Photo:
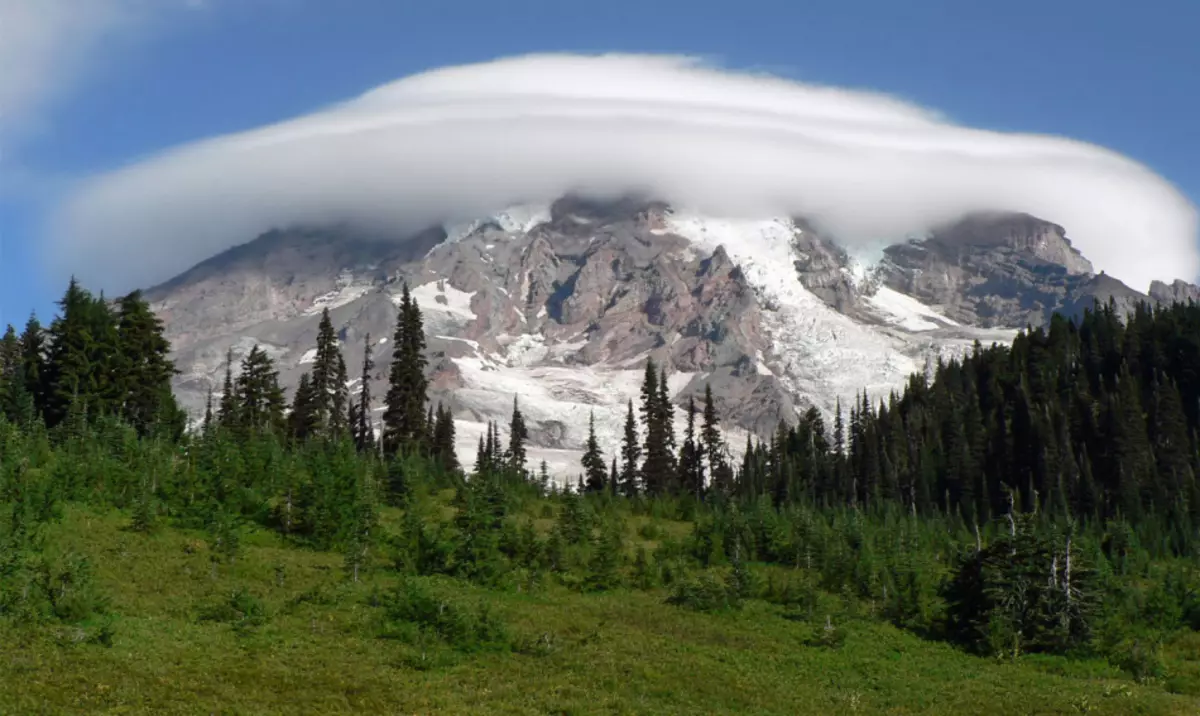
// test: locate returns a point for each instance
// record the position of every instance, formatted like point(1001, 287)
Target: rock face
point(1000, 270)
point(560, 306)
point(1175, 292)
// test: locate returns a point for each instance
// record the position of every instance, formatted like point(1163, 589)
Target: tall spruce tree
point(146, 400)
point(691, 463)
point(304, 420)
point(444, 439)
point(82, 365)
point(33, 365)
point(227, 413)
point(518, 434)
point(404, 413)
point(594, 468)
point(631, 453)
point(657, 467)
point(329, 392)
point(714, 445)
point(259, 398)
point(362, 428)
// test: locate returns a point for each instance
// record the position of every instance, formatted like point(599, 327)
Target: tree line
point(999, 502)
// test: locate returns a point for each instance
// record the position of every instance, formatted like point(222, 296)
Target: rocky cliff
point(560, 306)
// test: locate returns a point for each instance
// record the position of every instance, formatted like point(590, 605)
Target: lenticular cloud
point(460, 142)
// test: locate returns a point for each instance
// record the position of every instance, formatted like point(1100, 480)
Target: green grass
point(318, 650)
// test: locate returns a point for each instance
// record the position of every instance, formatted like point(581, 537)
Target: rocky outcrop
point(561, 306)
point(1176, 292)
point(995, 270)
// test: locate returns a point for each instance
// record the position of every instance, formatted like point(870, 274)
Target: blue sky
point(1114, 73)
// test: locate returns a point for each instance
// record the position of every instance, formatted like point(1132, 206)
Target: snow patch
point(310, 356)
point(522, 218)
point(346, 289)
point(907, 312)
point(441, 297)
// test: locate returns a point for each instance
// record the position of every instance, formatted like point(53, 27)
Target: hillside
point(315, 648)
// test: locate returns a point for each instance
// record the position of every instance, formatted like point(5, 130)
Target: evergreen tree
point(714, 445)
point(33, 364)
point(329, 392)
point(362, 429)
point(404, 412)
point(517, 435)
point(594, 466)
point(227, 413)
point(691, 464)
point(83, 360)
point(443, 439)
point(657, 467)
point(258, 397)
point(631, 452)
point(207, 425)
point(147, 400)
point(304, 421)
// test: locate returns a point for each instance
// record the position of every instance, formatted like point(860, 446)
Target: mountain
point(559, 306)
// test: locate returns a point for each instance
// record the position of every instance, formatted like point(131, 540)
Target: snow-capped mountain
point(560, 306)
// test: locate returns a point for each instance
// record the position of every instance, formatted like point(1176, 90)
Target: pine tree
point(594, 466)
point(227, 413)
point(259, 398)
point(147, 369)
point(404, 412)
point(444, 439)
point(207, 425)
point(11, 374)
point(714, 445)
point(33, 364)
point(657, 467)
point(362, 429)
point(328, 382)
point(691, 465)
point(517, 435)
point(83, 358)
point(304, 422)
point(631, 452)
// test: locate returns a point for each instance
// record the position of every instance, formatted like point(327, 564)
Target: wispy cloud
point(461, 141)
point(46, 45)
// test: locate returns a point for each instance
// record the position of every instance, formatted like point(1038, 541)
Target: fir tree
point(714, 445)
point(147, 369)
point(444, 439)
point(259, 398)
point(362, 429)
point(227, 414)
point(593, 463)
point(304, 421)
point(517, 435)
point(631, 452)
point(691, 464)
point(328, 382)
point(33, 364)
point(657, 467)
point(404, 412)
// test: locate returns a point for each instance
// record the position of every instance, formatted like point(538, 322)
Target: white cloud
point(462, 141)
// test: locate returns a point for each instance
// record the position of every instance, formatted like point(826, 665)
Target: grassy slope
point(624, 652)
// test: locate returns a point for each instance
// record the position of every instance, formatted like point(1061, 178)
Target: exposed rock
point(560, 306)
point(996, 270)
point(1178, 291)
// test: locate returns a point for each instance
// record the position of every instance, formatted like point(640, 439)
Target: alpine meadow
point(1017, 533)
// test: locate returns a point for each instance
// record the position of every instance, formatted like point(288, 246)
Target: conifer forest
point(1017, 532)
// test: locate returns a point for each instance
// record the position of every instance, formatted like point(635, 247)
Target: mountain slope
point(560, 306)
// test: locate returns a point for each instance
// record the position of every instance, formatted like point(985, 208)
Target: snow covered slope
point(560, 306)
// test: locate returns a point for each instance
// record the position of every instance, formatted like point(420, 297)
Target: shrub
point(703, 593)
point(414, 612)
point(241, 610)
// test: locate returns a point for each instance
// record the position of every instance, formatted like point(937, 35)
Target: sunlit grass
point(318, 649)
